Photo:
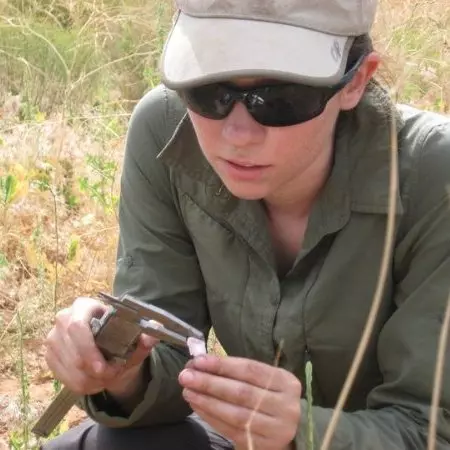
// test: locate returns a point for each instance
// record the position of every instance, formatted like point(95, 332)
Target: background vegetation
point(71, 72)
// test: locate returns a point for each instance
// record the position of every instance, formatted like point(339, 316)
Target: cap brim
point(207, 50)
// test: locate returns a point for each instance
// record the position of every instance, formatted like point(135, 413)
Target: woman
point(254, 199)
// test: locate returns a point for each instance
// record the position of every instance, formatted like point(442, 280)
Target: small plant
point(29, 112)
point(20, 439)
point(3, 265)
point(70, 198)
point(42, 178)
point(8, 188)
point(72, 251)
point(99, 187)
point(3, 261)
point(56, 386)
point(17, 441)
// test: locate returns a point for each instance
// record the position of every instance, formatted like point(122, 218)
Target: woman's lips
point(244, 171)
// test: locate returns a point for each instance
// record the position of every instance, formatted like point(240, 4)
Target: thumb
point(144, 346)
point(147, 342)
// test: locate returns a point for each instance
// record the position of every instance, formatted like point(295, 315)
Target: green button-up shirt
point(189, 246)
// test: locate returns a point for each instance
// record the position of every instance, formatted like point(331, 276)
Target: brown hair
point(362, 45)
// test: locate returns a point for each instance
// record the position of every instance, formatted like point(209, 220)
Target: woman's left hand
point(227, 392)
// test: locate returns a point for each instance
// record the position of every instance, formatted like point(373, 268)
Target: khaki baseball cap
point(304, 41)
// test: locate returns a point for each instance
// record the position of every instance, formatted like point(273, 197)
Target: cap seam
point(262, 19)
point(361, 11)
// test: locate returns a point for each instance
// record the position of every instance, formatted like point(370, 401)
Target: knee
point(181, 436)
point(77, 438)
point(187, 435)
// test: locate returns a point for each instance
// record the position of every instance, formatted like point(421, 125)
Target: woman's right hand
point(75, 360)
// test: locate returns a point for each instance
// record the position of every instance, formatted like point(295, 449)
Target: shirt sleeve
point(398, 411)
point(156, 262)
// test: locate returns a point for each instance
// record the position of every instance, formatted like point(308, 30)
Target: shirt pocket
point(224, 264)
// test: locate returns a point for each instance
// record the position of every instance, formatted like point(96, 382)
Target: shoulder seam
point(167, 108)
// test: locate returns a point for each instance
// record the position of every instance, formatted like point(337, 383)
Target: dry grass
point(414, 38)
point(70, 74)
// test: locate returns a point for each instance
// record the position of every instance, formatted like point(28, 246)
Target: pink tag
point(196, 346)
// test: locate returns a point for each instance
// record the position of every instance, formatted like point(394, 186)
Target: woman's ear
point(352, 93)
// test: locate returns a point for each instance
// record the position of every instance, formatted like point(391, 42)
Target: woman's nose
point(240, 129)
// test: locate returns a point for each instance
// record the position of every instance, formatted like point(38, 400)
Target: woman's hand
point(76, 361)
point(227, 392)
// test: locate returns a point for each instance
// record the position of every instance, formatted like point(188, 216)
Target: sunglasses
point(276, 105)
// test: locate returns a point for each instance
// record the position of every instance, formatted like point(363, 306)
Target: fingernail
point(148, 342)
point(187, 394)
point(189, 364)
point(98, 367)
point(200, 361)
point(186, 376)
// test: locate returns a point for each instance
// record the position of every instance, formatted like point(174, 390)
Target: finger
point(78, 382)
point(233, 391)
point(90, 360)
point(239, 437)
point(250, 371)
point(81, 346)
point(79, 330)
point(148, 342)
point(189, 364)
point(143, 348)
point(233, 415)
point(64, 351)
point(85, 308)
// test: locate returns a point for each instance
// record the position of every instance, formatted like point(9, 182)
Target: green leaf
point(56, 386)
point(83, 183)
point(73, 249)
point(3, 261)
point(10, 188)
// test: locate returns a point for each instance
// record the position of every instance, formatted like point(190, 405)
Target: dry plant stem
point(110, 63)
point(9, 324)
point(438, 378)
point(116, 215)
point(23, 383)
point(91, 268)
point(55, 287)
point(368, 329)
point(248, 425)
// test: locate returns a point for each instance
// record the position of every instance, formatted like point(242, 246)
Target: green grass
point(70, 75)
point(79, 54)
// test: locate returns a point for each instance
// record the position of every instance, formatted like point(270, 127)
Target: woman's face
point(260, 162)
point(255, 161)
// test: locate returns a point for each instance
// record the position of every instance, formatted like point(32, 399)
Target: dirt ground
point(40, 395)
point(40, 391)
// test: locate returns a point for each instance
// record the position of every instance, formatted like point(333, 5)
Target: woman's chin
point(245, 191)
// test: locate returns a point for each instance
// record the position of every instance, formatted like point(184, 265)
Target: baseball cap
point(304, 41)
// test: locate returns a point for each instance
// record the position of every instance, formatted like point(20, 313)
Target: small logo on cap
point(336, 51)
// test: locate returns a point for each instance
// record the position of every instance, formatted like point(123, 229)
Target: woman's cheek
point(208, 134)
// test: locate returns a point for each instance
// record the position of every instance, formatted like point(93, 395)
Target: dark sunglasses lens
point(213, 101)
point(285, 105)
point(272, 106)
